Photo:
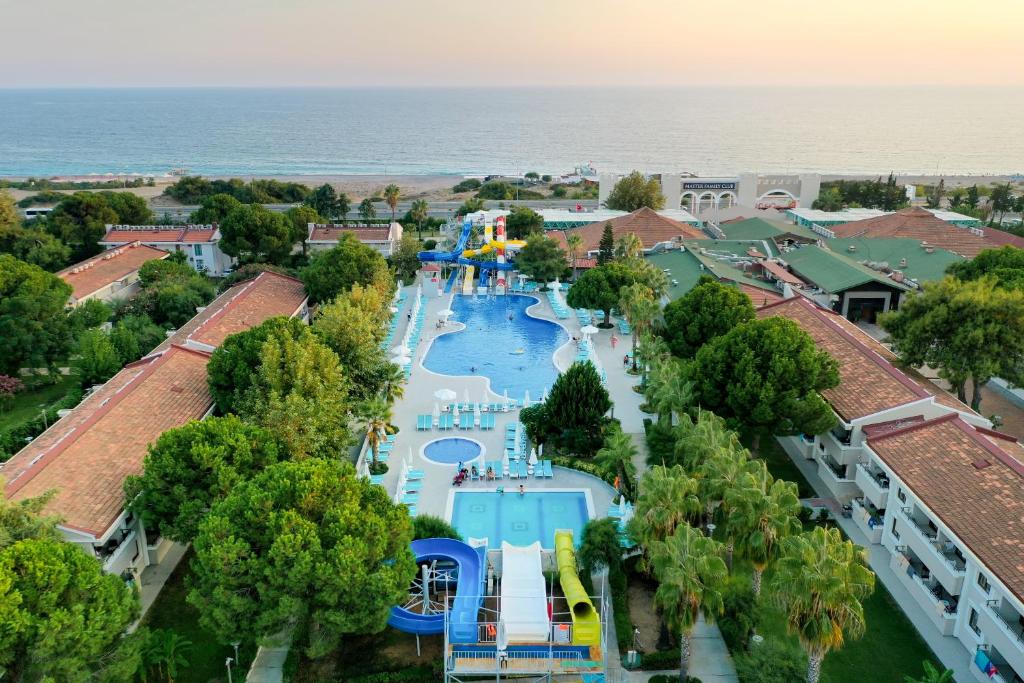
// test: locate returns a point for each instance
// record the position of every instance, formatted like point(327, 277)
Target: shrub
point(429, 245)
point(467, 185)
point(771, 661)
point(661, 443)
point(619, 586)
point(670, 678)
point(9, 386)
point(429, 526)
point(415, 674)
point(659, 660)
point(740, 614)
point(545, 178)
point(583, 466)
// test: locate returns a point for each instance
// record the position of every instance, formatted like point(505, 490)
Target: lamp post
point(227, 663)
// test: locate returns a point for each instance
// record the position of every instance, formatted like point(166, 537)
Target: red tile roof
point(759, 297)
point(983, 506)
point(868, 381)
point(920, 224)
point(647, 224)
point(244, 305)
point(780, 273)
point(107, 268)
point(87, 455)
point(363, 233)
point(119, 234)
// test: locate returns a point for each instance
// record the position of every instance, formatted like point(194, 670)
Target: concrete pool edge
point(480, 445)
point(449, 507)
point(537, 301)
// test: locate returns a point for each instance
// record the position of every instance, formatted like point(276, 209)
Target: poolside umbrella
point(589, 330)
point(483, 401)
point(401, 350)
point(526, 399)
point(622, 504)
point(445, 394)
point(446, 313)
point(519, 436)
point(540, 450)
point(506, 399)
point(476, 414)
point(504, 461)
point(533, 456)
point(465, 396)
point(544, 396)
point(408, 459)
point(455, 412)
point(393, 309)
point(437, 410)
point(400, 359)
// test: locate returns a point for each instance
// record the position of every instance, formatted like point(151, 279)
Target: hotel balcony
point(1007, 672)
point(941, 555)
point(868, 519)
point(875, 485)
point(935, 601)
point(836, 479)
point(837, 444)
point(1003, 627)
point(119, 555)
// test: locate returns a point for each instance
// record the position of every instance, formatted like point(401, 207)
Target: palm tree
point(629, 246)
point(819, 582)
point(169, 651)
point(640, 308)
point(367, 211)
point(651, 350)
point(393, 383)
point(419, 212)
point(691, 576)
point(759, 517)
point(574, 243)
point(391, 194)
point(718, 474)
point(931, 675)
point(377, 414)
point(617, 456)
point(667, 500)
point(669, 393)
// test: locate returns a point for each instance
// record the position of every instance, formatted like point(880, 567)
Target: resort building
point(756, 228)
point(655, 230)
point(110, 276)
point(383, 238)
point(702, 195)
point(564, 219)
point(199, 243)
point(722, 259)
point(87, 454)
point(809, 218)
point(930, 486)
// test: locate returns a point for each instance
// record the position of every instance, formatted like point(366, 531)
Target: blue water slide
point(463, 616)
point(453, 255)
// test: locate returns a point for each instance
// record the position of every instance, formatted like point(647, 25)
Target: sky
point(101, 43)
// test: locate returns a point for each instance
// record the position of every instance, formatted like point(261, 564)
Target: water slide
point(524, 598)
point(469, 591)
point(586, 625)
point(464, 257)
point(467, 282)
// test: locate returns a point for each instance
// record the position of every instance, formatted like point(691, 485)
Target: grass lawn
point(206, 658)
point(27, 404)
point(781, 466)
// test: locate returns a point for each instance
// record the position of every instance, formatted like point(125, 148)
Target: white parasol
point(504, 461)
point(393, 309)
point(533, 456)
point(437, 410)
point(446, 313)
point(401, 360)
point(465, 396)
point(455, 412)
point(401, 350)
point(526, 399)
point(505, 409)
point(445, 394)
point(589, 329)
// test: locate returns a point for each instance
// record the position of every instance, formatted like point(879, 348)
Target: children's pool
point(501, 342)
point(451, 451)
point(519, 519)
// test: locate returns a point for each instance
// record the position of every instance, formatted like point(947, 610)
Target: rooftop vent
point(980, 464)
point(903, 263)
point(851, 248)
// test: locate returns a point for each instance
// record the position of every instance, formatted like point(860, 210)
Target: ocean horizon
point(924, 130)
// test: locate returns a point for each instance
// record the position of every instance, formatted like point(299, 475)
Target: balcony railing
point(953, 563)
point(1014, 632)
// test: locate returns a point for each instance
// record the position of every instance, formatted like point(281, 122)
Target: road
point(437, 209)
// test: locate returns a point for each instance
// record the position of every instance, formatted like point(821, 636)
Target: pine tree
point(606, 247)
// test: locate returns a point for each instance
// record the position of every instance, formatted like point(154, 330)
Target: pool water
point(520, 520)
point(451, 451)
point(515, 354)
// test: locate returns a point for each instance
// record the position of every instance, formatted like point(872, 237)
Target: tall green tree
point(707, 311)
point(306, 547)
point(691, 576)
point(405, 259)
point(766, 376)
point(34, 328)
point(606, 247)
point(760, 517)
point(299, 218)
point(668, 500)
point(35, 246)
point(214, 209)
point(616, 457)
point(1005, 264)
point(819, 582)
point(9, 217)
point(96, 359)
point(234, 366)
point(600, 546)
point(1002, 200)
point(638, 304)
point(334, 271)
point(522, 222)
point(668, 390)
point(62, 614)
point(189, 468)
point(573, 417)
point(254, 234)
point(419, 211)
point(170, 293)
point(635, 192)
point(601, 287)
point(24, 518)
point(80, 221)
point(367, 210)
point(629, 246)
point(969, 331)
point(352, 327)
point(328, 203)
point(131, 209)
point(541, 259)
point(574, 243)
point(391, 195)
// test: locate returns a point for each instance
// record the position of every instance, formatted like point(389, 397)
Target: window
point(200, 265)
point(983, 582)
point(972, 621)
point(895, 534)
point(197, 249)
point(902, 496)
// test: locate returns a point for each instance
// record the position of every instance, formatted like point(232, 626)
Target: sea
point(458, 131)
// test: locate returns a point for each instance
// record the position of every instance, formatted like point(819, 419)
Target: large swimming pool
point(501, 342)
point(520, 520)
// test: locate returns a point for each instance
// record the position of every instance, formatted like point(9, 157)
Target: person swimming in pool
point(472, 368)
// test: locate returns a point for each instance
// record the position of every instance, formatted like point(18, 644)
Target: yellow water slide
point(586, 625)
point(467, 283)
point(491, 246)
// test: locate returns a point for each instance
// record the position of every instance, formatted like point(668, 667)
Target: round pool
point(452, 451)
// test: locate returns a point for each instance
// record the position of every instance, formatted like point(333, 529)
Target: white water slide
point(524, 602)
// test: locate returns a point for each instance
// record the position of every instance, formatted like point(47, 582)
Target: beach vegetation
point(194, 189)
point(49, 184)
point(572, 420)
point(327, 556)
point(214, 209)
point(521, 222)
point(967, 330)
point(34, 327)
point(254, 234)
point(709, 310)
point(467, 185)
point(191, 467)
point(391, 195)
point(765, 376)
point(541, 259)
point(635, 192)
point(336, 270)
